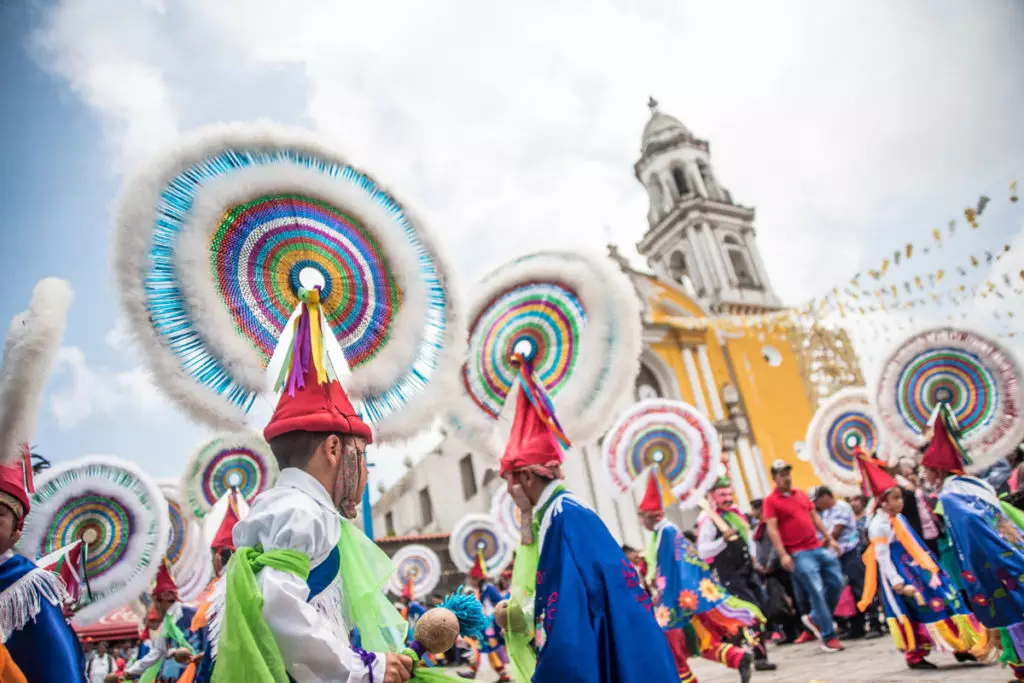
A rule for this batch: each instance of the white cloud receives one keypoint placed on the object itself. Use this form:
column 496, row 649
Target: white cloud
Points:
column 97, row 391
column 851, row 127
column 118, row 337
column 111, row 54
column 517, row 127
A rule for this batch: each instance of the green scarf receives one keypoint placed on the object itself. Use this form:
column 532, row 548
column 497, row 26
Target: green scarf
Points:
column 520, row 629
column 365, row 570
column 738, row 523
column 246, row 650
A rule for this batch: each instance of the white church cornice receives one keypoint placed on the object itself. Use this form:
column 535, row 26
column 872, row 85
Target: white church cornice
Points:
column 694, row 210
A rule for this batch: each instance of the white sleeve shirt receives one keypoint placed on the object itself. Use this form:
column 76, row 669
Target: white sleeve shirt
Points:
column 297, row 514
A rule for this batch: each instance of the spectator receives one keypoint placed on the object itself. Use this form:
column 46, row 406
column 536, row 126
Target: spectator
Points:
column 841, row 521
column 793, row 526
column 101, row 665
column 917, row 509
column 780, row 603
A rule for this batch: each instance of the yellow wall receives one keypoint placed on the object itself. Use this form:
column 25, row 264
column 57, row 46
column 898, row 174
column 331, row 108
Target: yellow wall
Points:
column 775, row 398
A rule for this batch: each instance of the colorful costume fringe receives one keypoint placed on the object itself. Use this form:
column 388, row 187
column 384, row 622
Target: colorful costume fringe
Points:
column 985, row 541
column 697, row 614
column 935, row 616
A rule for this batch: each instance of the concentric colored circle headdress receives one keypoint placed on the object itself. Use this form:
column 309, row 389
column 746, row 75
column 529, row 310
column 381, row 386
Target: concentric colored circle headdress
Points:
column 505, row 511
column 215, row 242
column 120, row 515
column 30, row 349
column 575, row 319
column 977, row 378
column 843, row 424
column 418, row 565
column 478, row 535
column 673, row 437
column 241, row 460
column 186, row 550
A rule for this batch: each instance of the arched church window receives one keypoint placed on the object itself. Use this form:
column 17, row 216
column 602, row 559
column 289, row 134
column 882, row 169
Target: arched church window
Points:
column 679, row 178
column 679, row 271
column 647, row 385
column 740, row 264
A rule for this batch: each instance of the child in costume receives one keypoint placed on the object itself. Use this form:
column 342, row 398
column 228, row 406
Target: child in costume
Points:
column 180, row 654
column 698, row 616
column 283, row 615
column 983, row 541
column 492, row 644
column 592, row 619
column 922, row 605
column 33, row 629
column 726, row 543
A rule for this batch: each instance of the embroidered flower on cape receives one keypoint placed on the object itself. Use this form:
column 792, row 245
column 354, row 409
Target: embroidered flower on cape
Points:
column 709, row 590
column 688, row 600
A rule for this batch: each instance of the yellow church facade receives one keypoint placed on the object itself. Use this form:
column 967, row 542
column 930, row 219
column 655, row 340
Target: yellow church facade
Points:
column 716, row 335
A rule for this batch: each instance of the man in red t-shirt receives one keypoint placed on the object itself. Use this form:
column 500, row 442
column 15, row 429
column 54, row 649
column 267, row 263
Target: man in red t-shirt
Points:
column 794, row 527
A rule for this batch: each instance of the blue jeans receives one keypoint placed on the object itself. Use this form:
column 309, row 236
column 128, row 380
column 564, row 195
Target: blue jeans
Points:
column 821, row 580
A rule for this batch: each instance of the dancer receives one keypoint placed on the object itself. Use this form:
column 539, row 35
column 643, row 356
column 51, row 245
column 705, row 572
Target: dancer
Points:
column 922, row 605
column 594, row 620
column 221, row 549
column 982, row 540
column 698, row 616
column 35, row 633
column 492, row 644
column 179, row 652
column 726, row 543
column 295, row 554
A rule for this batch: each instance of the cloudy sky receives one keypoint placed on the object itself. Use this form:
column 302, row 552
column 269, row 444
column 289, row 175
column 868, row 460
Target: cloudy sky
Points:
column 852, row 127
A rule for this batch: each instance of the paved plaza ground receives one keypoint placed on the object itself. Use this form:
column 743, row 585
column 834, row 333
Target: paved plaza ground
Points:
column 873, row 661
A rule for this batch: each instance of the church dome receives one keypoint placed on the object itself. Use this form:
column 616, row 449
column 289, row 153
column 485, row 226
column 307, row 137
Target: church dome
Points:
column 661, row 128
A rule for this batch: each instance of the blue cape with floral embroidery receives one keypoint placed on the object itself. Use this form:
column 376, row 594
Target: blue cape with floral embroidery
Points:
column 685, row 582
column 594, row 620
column 990, row 555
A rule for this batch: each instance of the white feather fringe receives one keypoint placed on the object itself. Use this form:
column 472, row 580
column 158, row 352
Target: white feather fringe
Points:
column 105, row 476
column 193, row 484
column 844, row 400
column 29, row 352
column 986, row 443
column 22, row 602
column 610, row 346
column 140, row 198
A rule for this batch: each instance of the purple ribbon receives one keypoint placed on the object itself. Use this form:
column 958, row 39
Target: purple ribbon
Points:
column 301, row 354
column 368, row 659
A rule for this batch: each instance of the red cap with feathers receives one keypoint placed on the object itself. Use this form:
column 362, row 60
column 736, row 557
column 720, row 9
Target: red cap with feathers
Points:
column 945, row 452
column 16, row 485
column 224, row 539
column 658, row 493
column 536, row 439
column 479, row 568
column 874, row 479
column 312, row 399
column 165, row 581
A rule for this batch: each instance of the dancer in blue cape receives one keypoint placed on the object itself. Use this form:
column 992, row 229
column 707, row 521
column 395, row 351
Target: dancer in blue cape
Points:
column 697, row 614
column 32, row 624
column 983, row 540
column 923, row 608
column 592, row 620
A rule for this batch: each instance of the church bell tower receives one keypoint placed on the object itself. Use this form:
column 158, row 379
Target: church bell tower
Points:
column 697, row 236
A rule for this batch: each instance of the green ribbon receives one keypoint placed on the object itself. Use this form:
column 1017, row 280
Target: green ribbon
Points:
column 365, row 570
column 520, row 629
column 246, row 650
